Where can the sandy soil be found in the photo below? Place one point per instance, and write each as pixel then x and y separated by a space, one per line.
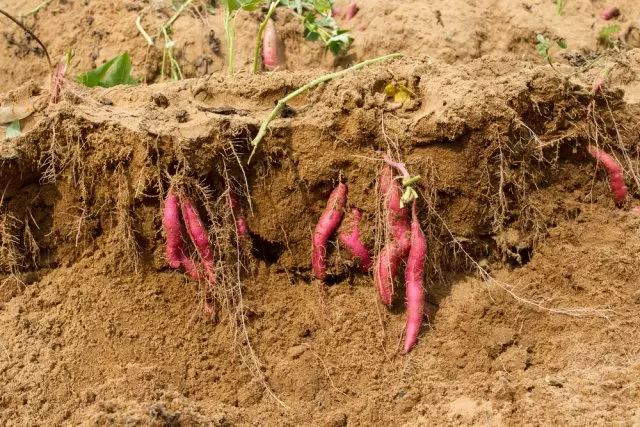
pixel 532 273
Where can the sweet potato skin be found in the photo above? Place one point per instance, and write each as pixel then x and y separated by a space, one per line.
pixel 353 243
pixel 399 244
pixel 327 225
pixel 615 172
pixel 270 54
pixel 414 282
pixel 171 221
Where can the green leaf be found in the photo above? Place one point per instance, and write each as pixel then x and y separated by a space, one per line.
pixel 13 130
pixel 116 71
pixel 231 5
pixel 541 38
pixel 562 44
pixel 322 6
pixel 250 5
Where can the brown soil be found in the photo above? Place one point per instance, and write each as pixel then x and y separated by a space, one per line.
pixel 532 277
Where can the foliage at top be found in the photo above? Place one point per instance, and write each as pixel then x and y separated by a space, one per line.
pixel 319 25
pixel 545 44
pixel 116 71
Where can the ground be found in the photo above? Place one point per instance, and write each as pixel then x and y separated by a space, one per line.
pixel 532 272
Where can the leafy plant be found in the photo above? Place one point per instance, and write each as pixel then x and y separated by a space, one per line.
pixel 232 7
pixel 116 71
pixel 319 25
pixel 606 35
pixel 560 5
pixel 544 46
pixel 167 55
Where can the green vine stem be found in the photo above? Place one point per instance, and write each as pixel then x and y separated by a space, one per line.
pixel 263 25
pixel 282 102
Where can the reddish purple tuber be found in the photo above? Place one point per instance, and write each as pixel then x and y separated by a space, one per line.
pixel 354 245
pixel 327 225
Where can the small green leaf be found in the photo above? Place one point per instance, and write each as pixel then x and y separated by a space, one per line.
pixel 541 38
pixel 231 5
pixel 116 71
pixel 562 44
pixel 250 5
pixel 12 130
pixel 322 6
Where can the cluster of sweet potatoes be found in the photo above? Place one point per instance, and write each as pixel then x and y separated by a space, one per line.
pixel 406 241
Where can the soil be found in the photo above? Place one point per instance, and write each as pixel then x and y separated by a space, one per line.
pixel 532 273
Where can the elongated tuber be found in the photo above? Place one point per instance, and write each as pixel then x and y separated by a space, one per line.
pixel 327 225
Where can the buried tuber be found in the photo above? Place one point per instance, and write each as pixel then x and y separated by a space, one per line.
pixel 353 243
pixel 414 281
pixel 609 13
pixel 399 243
pixel 240 221
pixel 174 251
pixel 614 170
pixel 327 225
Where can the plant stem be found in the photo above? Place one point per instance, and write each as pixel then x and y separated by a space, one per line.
pixel 143 32
pixel 28 31
pixel 282 102
pixel 263 25
pixel 175 16
pixel 228 27
pixel 35 9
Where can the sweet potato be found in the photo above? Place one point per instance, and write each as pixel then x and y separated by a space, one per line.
pixel 395 250
pixel 352 242
pixel 414 282
pixel 270 53
pixel 241 222
pixel 327 225
pixel 614 170
pixel 397 217
pixel 350 11
pixel 609 13
pixel 172 223
pixel 385 269
pixel 198 234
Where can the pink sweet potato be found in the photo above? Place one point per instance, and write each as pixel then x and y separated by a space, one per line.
pixel 241 222
pixel 414 282
pixel 354 245
pixel 270 52
pixel 614 170
pixel 385 269
pixel 173 228
pixel 397 217
pixel 395 250
pixel 609 13
pixel 350 11
pixel 198 234
pixel 327 225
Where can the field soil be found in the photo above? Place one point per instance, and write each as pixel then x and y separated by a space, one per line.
pixel 533 271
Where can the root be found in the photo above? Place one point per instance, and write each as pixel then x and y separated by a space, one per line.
pixel 10 258
pixel 29 242
pixel 227 292
pixel 122 235
pixel 538 305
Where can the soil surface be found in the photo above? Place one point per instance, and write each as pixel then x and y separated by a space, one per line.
pixel 532 270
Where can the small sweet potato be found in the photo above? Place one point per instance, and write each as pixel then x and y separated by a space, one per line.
pixel 327 225
pixel 614 170
pixel 352 242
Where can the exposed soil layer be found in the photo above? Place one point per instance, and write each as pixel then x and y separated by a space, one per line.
pixel 532 278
